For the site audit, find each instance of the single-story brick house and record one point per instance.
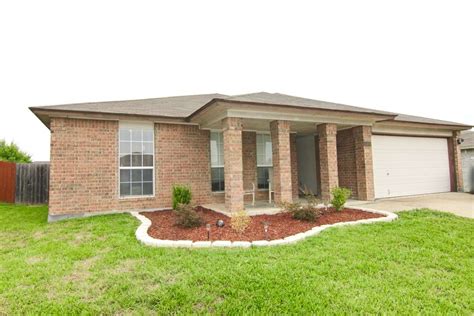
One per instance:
(127, 155)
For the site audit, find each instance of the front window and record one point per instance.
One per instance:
(217, 162)
(264, 160)
(136, 155)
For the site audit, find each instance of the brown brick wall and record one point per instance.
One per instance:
(354, 161)
(182, 156)
(84, 166)
(346, 162)
(83, 176)
(364, 166)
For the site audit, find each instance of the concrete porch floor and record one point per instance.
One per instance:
(260, 208)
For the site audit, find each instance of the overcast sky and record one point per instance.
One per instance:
(414, 57)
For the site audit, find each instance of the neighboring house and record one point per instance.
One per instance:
(467, 154)
(127, 155)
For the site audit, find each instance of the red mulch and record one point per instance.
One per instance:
(280, 225)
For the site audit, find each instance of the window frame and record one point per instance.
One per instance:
(267, 166)
(218, 166)
(143, 126)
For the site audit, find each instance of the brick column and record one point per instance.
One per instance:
(233, 172)
(327, 159)
(294, 166)
(249, 162)
(363, 160)
(455, 166)
(282, 177)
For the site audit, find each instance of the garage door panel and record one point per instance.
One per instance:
(410, 165)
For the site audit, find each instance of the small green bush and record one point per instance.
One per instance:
(181, 195)
(186, 216)
(340, 196)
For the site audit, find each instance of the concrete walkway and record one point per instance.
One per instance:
(461, 204)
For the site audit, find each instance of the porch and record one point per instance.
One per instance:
(309, 150)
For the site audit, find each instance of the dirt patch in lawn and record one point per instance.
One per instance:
(280, 225)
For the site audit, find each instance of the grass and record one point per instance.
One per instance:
(421, 263)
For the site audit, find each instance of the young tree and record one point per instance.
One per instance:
(11, 152)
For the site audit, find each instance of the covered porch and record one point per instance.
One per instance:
(311, 150)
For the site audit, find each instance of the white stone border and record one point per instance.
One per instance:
(143, 237)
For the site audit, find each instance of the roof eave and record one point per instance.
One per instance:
(215, 100)
(40, 112)
(460, 127)
(45, 122)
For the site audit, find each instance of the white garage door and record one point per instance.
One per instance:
(410, 165)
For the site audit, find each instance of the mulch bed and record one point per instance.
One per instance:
(280, 225)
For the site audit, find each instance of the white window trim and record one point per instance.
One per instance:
(256, 151)
(210, 156)
(150, 125)
(256, 154)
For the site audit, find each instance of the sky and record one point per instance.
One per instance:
(413, 57)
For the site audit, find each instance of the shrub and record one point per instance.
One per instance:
(240, 221)
(308, 212)
(312, 200)
(340, 196)
(181, 195)
(290, 207)
(186, 216)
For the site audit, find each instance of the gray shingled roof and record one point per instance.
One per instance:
(468, 137)
(283, 99)
(185, 106)
(180, 107)
(419, 119)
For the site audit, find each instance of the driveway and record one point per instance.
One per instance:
(461, 204)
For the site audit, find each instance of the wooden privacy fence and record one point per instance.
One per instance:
(26, 183)
(7, 182)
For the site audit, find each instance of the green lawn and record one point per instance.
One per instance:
(421, 263)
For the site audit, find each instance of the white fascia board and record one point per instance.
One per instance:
(298, 117)
(406, 129)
